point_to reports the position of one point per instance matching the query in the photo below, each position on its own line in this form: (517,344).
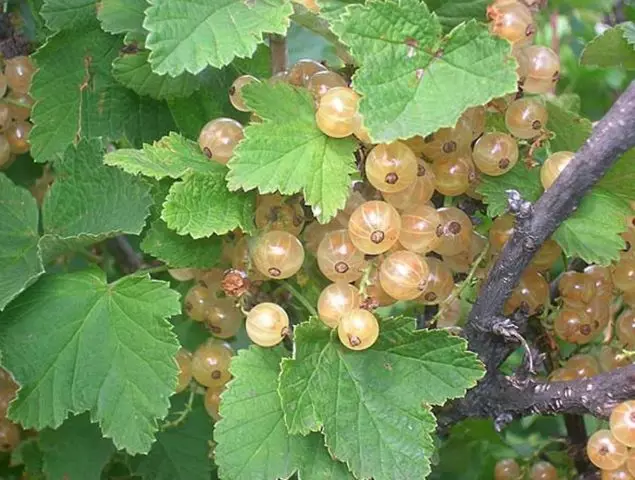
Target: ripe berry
(622,473)
(404,275)
(500,231)
(525,118)
(18,137)
(546,255)
(374,227)
(358,329)
(267,324)
(196,301)
(447,143)
(301,73)
(624,274)
(574,326)
(622,423)
(475,118)
(9,435)
(461,262)
(184,361)
(210,364)
(512,21)
(275,212)
(553,167)
(391,167)
(20,105)
(611,358)
(223,318)
(625,328)
(495,153)
(543,471)
(337,300)
(539,69)
(440,282)
(576,286)
(583,366)
(419,226)
(336,112)
(321,82)
(507,469)
(454,175)
(338,259)
(602,279)
(278,254)
(604,451)
(455,232)
(531,294)
(235,91)
(212,402)
(219,137)
(19,73)
(182,274)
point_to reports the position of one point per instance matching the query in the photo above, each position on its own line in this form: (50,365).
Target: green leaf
(20,262)
(181,452)
(252,440)
(68,14)
(134,72)
(186,35)
(289,154)
(571,130)
(612,48)
(453,12)
(592,232)
(103,348)
(317,463)
(76,95)
(525,180)
(122,16)
(201,205)
(90,202)
(620,179)
(373,415)
(414,80)
(172,156)
(75,450)
(181,251)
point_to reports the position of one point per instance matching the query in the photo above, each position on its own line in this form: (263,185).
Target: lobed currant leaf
(524,180)
(615,47)
(122,16)
(67,14)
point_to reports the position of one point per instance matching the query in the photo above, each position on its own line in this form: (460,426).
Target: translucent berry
(8,392)
(604,451)
(338,259)
(440,282)
(474,118)
(196,301)
(553,167)
(507,469)
(336,112)
(184,361)
(219,137)
(20,105)
(404,275)
(602,279)
(454,175)
(5,151)
(512,21)
(374,227)
(447,143)
(267,324)
(624,274)
(419,225)
(622,473)
(358,329)
(375,294)
(455,232)
(280,213)
(495,153)
(625,328)
(576,286)
(223,318)
(360,131)
(278,254)
(182,274)
(5,116)
(540,68)
(212,402)
(9,435)
(417,193)
(543,471)
(531,294)
(500,231)
(526,118)
(18,137)
(300,74)
(547,255)
(622,423)
(391,167)
(210,364)
(611,358)
(235,91)
(574,326)
(321,82)
(461,262)
(337,300)
(630,465)
(19,73)
(583,366)
(562,375)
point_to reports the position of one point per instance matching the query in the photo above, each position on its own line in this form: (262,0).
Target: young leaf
(90,201)
(253,441)
(288,153)
(520,178)
(180,251)
(99,347)
(372,414)
(201,205)
(20,261)
(75,450)
(180,452)
(68,14)
(122,16)
(612,48)
(189,36)
(414,80)
(172,156)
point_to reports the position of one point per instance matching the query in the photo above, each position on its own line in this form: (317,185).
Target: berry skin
(235,95)
(525,118)
(583,366)
(454,175)
(196,301)
(455,232)
(223,318)
(495,153)
(374,227)
(374,292)
(507,469)
(622,423)
(512,21)
(419,226)
(5,150)
(360,131)
(630,463)
(300,74)
(574,326)
(278,254)
(337,300)
(19,73)
(539,69)
(461,262)
(322,82)
(338,259)
(500,231)
(622,473)
(267,324)
(9,435)
(277,213)
(475,118)
(562,375)
(553,167)
(625,328)
(624,274)
(8,392)
(219,137)
(336,113)
(546,255)
(576,286)
(358,329)
(417,193)
(604,451)
(611,358)
(440,282)
(182,274)
(447,143)
(404,275)
(391,167)
(212,402)
(603,281)
(18,137)
(210,364)
(531,294)
(20,105)
(543,471)
(184,361)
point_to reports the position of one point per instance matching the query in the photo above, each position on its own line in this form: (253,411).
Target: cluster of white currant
(15,108)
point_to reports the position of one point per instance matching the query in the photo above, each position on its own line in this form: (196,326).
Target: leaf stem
(183,414)
(299,297)
(151,270)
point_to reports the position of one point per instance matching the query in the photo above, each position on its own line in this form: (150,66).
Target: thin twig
(183,414)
